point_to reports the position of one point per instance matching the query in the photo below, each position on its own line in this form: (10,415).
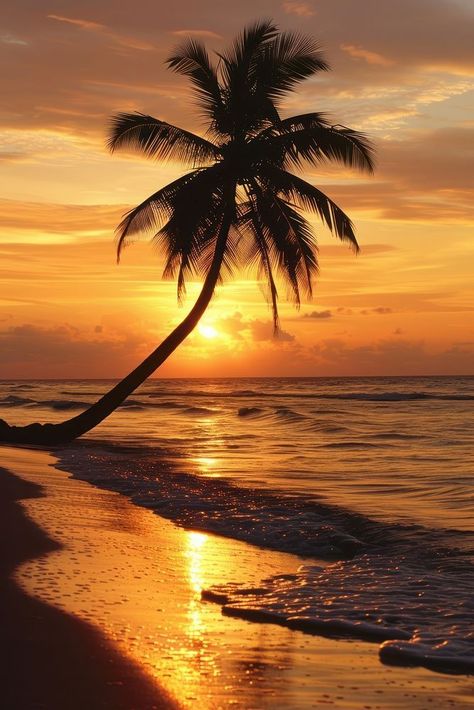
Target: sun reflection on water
(206,466)
(197,659)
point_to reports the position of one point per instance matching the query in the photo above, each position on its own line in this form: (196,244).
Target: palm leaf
(240,61)
(292,245)
(158,139)
(258,252)
(152,212)
(310,198)
(192,227)
(192,60)
(288,60)
(310,138)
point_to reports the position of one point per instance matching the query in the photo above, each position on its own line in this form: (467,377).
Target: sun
(207,331)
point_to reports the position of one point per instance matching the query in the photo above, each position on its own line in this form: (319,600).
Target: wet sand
(50,659)
(137,579)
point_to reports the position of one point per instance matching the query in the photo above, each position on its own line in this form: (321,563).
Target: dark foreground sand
(130,585)
(49,659)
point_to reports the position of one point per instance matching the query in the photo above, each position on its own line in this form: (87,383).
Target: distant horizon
(237,377)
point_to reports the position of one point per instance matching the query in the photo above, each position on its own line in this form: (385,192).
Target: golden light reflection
(194,555)
(195,654)
(196,541)
(212,431)
(207,465)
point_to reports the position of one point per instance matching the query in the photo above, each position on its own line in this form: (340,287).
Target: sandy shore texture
(104,610)
(50,659)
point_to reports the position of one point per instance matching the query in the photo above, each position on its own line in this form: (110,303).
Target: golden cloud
(301,9)
(368,56)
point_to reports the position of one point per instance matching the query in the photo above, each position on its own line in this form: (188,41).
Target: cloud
(59,219)
(29,350)
(368,56)
(37,78)
(250,329)
(9,39)
(408,300)
(382,310)
(301,9)
(196,33)
(379,310)
(426,176)
(83,24)
(97,27)
(263,331)
(318,315)
(392,356)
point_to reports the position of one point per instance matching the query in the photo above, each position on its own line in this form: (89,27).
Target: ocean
(368,481)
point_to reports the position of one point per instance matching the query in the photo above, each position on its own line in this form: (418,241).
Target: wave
(13,400)
(396,396)
(65,404)
(362,396)
(249,411)
(422,613)
(353,445)
(62,404)
(200,411)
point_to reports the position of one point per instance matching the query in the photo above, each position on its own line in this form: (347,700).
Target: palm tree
(240,203)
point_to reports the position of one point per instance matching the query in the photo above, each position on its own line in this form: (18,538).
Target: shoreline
(49,658)
(138,578)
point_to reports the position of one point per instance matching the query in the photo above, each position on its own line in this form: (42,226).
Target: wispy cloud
(59,219)
(10,39)
(196,33)
(83,24)
(316,315)
(91,26)
(358,52)
(301,9)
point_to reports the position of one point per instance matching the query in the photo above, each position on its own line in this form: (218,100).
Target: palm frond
(310,138)
(150,214)
(244,108)
(158,139)
(249,222)
(310,198)
(286,61)
(240,60)
(292,244)
(184,242)
(192,60)
(192,227)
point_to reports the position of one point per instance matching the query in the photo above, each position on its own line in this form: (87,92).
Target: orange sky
(401,71)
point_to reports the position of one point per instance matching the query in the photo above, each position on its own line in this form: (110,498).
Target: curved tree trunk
(48,434)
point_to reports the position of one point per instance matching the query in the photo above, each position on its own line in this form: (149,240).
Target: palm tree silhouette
(239,204)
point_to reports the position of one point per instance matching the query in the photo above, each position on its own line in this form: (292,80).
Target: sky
(402,72)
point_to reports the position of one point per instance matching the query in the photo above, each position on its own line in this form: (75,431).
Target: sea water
(369,479)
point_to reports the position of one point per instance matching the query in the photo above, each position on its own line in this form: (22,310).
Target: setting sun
(207,331)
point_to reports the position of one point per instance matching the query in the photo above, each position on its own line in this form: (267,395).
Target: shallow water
(374,472)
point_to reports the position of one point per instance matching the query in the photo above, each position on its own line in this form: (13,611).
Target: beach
(120,588)
(52,659)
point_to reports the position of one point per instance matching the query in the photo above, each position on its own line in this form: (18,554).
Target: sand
(50,659)
(105,610)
